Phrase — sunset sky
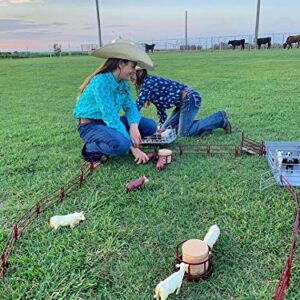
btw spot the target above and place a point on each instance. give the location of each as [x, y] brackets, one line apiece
[35, 25]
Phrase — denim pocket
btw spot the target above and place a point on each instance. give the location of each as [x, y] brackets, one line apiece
[197, 100]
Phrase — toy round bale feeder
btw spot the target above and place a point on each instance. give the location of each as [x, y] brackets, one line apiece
[165, 155]
[198, 255]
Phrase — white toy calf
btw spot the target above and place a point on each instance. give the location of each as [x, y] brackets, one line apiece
[171, 284]
[165, 134]
[212, 236]
[279, 158]
[67, 220]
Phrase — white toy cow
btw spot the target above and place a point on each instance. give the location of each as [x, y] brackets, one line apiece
[171, 284]
[67, 220]
[212, 235]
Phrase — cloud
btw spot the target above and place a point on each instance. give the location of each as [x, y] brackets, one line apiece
[115, 26]
[19, 1]
[105, 26]
[89, 27]
[30, 35]
[23, 1]
[13, 25]
[15, 2]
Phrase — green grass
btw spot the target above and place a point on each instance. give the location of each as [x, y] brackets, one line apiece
[126, 245]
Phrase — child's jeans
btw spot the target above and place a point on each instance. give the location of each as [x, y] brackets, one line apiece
[100, 140]
[182, 118]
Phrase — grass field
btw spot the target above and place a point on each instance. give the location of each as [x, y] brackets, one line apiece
[126, 245]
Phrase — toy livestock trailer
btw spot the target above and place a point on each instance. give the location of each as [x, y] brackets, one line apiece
[284, 160]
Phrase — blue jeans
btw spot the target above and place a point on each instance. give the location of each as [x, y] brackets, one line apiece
[182, 118]
[100, 140]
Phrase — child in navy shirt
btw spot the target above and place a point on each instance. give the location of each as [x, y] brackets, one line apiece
[165, 93]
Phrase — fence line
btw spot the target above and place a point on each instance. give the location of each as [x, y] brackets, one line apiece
[214, 42]
[193, 43]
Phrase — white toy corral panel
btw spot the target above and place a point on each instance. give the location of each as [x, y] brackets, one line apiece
[166, 137]
[290, 167]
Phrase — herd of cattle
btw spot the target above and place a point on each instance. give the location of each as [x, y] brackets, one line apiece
[260, 41]
[267, 41]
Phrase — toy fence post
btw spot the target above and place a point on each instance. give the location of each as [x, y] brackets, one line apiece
[236, 151]
[242, 140]
[81, 178]
[208, 150]
[264, 152]
[180, 150]
[37, 209]
[91, 166]
[261, 150]
[3, 263]
[15, 229]
[62, 194]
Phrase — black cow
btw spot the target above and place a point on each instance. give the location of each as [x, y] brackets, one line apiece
[290, 161]
[235, 43]
[263, 41]
[149, 47]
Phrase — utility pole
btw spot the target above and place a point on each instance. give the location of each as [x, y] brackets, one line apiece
[99, 26]
[186, 39]
[257, 22]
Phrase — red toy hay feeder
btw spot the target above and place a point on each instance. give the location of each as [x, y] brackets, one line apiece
[164, 158]
[200, 266]
[165, 155]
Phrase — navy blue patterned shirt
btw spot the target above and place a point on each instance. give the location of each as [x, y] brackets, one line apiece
[163, 93]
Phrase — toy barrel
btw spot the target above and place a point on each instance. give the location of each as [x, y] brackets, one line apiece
[195, 252]
[166, 155]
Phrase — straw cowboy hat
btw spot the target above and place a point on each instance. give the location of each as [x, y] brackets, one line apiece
[137, 68]
[125, 49]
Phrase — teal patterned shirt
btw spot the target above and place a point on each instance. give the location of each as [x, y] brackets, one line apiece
[103, 98]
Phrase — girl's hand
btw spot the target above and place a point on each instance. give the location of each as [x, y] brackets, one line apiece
[160, 130]
[139, 156]
[135, 135]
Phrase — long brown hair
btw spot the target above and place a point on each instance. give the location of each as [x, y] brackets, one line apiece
[109, 65]
[140, 76]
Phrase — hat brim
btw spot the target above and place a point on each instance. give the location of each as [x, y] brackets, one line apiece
[125, 51]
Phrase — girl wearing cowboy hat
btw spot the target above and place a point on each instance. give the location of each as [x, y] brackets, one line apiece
[165, 93]
[102, 95]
